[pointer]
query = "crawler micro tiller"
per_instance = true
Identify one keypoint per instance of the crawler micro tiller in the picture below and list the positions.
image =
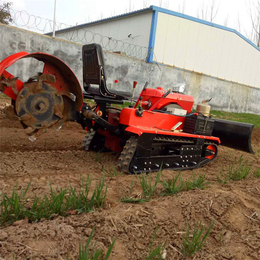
(158, 130)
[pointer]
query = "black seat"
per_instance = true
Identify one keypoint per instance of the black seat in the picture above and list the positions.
(94, 74)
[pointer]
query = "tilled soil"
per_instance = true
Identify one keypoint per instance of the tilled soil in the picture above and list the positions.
(57, 159)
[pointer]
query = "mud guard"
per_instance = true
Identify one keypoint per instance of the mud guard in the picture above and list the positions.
(234, 134)
(66, 80)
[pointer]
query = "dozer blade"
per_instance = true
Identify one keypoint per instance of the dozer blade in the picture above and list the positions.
(234, 134)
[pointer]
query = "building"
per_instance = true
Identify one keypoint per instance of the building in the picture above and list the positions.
(170, 38)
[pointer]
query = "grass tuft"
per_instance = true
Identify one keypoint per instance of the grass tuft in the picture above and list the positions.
(88, 253)
(146, 184)
(59, 202)
(194, 243)
(176, 184)
(257, 173)
(172, 186)
(158, 252)
(132, 199)
(198, 182)
(235, 172)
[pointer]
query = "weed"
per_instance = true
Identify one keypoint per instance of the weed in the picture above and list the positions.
(257, 173)
(171, 187)
(146, 184)
(12, 208)
(132, 199)
(223, 178)
(18, 206)
(196, 242)
(236, 172)
(156, 253)
(197, 182)
(88, 253)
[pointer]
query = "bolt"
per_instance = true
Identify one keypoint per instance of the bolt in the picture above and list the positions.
(167, 164)
(41, 106)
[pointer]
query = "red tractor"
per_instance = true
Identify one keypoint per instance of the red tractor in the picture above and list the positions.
(158, 131)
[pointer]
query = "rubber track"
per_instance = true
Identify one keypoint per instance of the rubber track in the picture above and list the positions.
(87, 140)
(127, 154)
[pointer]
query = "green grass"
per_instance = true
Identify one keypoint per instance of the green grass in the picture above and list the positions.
(132, 199)
(18, 206)
(239, 117)
(156, 253)
(193, 243)
(197, 182)
(147, 184)
(176, 184)
(170, 187)
(257, 173)
(88, 253)
(235, 172)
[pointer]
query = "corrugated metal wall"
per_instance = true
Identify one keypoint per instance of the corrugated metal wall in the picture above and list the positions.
(205, 49)
(137, 25)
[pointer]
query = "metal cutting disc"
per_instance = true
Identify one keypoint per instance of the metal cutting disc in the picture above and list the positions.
(39, 105)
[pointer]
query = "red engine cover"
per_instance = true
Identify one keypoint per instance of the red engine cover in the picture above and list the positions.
(184, 101)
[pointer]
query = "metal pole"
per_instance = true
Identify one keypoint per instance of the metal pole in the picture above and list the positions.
(54, 18)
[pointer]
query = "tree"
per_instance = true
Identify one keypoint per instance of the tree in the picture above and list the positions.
(5, 15)
(208, 11)
(254, 13)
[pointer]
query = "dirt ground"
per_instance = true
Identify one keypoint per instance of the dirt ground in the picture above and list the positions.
(57, 158)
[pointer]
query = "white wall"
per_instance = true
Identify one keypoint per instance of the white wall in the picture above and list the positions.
(139, 25)
(205, 49)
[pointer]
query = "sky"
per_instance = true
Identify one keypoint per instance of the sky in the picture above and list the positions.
(73, 12)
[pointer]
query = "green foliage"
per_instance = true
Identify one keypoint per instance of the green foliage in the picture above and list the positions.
(176, 184)
(236, 172)
(18, 206)
(12, 208)
(171, 187)
(88, 253)
(5, 13)
(257, 173)
(239, 117)
(194, 243)
(132, 199)
(146, 183)
(198, 182)
(155, 254)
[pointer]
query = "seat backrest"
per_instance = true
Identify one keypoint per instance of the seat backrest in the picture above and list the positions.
(94, 72)
(93, 65)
